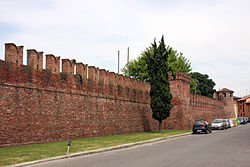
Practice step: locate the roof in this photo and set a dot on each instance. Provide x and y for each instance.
(248, 102)
(244, 98)
(225, 90)
(236, 98)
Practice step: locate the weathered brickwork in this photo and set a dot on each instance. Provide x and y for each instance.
(40, 105)
(188, 107)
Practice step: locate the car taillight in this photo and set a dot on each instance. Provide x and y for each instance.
(205, 124)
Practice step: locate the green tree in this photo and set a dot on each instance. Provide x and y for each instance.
(194, 85)
(137, 68)
(205, 86)
(157, 63)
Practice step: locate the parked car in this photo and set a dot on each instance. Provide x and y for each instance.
(201, 126)
(246, 120)
(218, 124)
(227, 123)
(242, 121)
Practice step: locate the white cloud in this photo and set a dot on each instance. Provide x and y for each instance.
(214, 34)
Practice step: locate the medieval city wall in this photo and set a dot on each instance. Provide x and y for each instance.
(189, 107)
(41, 105)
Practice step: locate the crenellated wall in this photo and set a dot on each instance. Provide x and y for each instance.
(190, 107)
(41, 105)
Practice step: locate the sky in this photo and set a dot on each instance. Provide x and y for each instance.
(213, 34)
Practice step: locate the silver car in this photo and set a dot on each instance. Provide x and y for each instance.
(218, 124)
(227, 123)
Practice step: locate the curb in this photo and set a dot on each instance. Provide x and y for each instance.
(99, 150)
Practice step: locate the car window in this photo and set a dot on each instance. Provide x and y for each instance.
(199, 123)
(217, 121)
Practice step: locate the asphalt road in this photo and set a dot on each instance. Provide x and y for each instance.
(221, 148)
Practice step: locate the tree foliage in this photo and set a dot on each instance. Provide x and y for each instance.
(205, 86)
(157, 71)
(194, 86)
(137, 68)
(178, 63)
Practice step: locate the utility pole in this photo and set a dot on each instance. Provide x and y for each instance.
(127, 63)
(118, 61)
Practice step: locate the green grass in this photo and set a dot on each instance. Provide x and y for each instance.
(19, 154)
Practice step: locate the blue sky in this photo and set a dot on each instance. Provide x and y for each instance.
(214, 35)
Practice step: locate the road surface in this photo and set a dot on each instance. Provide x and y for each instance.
(228, 148)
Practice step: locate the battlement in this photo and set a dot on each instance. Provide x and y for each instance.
(112, 84)
(53, 63)
(103, 76)
(179, 76)
(204, 102)
(14, 54)
(35, 59)
(93, 73)
(82, 70)
(182, 76)
(68, 66)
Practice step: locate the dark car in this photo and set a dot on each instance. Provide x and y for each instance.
(201, 126)
(245, 120)
(242, 120)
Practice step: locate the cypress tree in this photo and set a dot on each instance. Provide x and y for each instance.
(157, 62)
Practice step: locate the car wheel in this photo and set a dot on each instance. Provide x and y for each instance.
(206, 131)
(194, 132)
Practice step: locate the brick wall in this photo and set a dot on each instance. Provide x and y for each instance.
(189, 107)
(40, 105)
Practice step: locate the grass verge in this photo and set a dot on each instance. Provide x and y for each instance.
(19, 154)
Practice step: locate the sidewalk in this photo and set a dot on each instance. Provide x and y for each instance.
(100, 150)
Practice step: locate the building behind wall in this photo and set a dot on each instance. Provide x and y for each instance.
(226, 96)
(244, 106)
